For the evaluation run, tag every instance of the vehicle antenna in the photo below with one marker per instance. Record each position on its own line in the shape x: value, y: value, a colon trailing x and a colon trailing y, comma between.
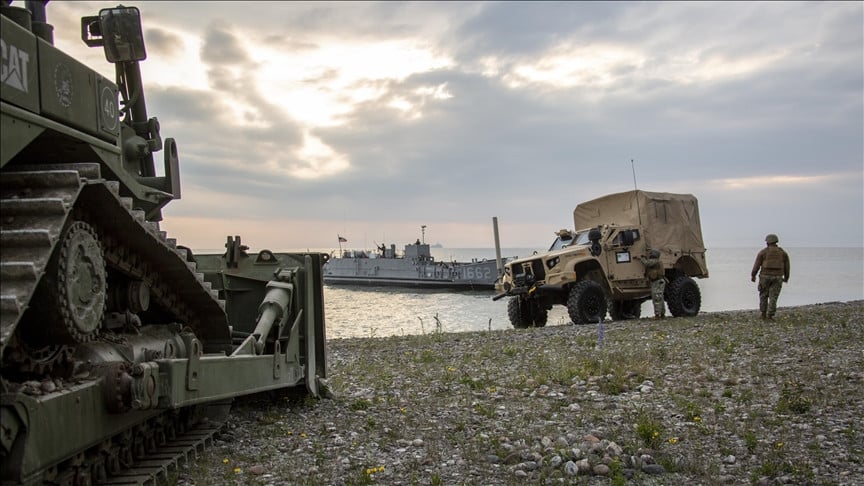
x: 636, y: 188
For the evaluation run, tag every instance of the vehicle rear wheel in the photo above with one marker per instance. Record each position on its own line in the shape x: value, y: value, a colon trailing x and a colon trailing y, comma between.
x: 586, y: 303
x: 620, y: 310
x: 683, y: 297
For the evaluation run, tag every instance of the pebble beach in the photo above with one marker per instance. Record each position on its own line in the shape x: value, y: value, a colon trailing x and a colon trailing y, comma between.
x: 719, y: 398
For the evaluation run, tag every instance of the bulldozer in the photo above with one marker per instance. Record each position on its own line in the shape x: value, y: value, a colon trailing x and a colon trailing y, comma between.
x: 121, y: 349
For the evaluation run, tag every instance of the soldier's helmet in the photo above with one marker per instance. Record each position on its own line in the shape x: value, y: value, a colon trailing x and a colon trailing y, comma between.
x: 654, y: 253
x: 772, y: 238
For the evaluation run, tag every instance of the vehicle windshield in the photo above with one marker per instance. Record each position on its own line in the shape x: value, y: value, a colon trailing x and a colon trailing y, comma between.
x: 561, y: 243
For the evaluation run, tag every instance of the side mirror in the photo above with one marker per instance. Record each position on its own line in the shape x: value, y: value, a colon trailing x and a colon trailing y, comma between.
x: 118, y: 30
x: 627, y: 238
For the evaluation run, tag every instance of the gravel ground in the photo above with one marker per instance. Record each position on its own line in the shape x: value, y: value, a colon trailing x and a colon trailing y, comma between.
x: 720, y: 398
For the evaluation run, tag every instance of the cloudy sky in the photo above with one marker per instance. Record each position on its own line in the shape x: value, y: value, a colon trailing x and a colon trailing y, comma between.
x: 300, y: 121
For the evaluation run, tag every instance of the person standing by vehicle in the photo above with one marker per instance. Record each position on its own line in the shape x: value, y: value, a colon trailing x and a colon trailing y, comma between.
x: 655, y: 274
x: 772, y: 265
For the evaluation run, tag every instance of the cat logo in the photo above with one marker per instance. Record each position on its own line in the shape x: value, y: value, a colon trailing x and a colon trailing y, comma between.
x: 13, y: 66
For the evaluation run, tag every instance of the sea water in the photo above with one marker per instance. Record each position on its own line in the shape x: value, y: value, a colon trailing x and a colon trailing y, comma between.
x: 818, y: 275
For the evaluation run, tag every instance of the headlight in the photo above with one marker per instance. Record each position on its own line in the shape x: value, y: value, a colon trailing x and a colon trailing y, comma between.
x: 552, y: 262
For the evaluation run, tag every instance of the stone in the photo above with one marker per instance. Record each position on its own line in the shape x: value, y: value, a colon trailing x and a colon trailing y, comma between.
x: 601, y: 470
x: 257, y: 469
x: 570, y: 468
x: 48, y: 386
x: 653, y: 469
x: 584, y: 466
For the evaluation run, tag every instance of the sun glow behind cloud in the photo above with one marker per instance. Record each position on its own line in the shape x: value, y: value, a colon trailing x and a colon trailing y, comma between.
x: 748, y: 183
x: 602, y: 66
x: 318, y: 87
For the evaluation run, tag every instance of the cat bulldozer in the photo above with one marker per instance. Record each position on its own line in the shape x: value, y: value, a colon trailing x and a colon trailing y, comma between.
x: 121, y: 350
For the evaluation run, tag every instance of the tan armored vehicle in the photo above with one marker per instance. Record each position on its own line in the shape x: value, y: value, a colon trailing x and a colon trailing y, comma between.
x: 596, y: 269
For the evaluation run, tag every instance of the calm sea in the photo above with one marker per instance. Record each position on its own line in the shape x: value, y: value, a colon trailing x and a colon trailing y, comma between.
x: 818, y: 275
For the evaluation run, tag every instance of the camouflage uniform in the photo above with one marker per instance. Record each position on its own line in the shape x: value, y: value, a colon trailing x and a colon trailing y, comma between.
x: 654, y: 273
x: 773, y: 262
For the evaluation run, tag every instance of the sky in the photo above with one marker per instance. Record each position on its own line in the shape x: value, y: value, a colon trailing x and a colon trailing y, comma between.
x: 297, y: 122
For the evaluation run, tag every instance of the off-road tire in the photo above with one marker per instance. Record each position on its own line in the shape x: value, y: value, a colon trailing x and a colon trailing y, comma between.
x: 525, y: 313
x: 517, y: 311
x: 620, y: 310
x: 586, y: 303
x: 539, y: 315
x: 683, y: 297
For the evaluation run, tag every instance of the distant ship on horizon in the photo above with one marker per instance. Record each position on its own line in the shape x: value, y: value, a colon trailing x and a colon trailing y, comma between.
x: 415, y: 267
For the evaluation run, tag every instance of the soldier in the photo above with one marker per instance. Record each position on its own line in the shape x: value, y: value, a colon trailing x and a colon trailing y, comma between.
x: 655, y: 274
x: 774, y: 264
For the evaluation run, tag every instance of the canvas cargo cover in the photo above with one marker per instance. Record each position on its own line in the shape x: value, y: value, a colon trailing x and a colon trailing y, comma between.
x: 668, y: 220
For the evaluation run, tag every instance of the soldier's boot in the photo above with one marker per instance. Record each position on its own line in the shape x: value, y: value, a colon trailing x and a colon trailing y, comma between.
x: 769, y: 318
x: 763, y: 316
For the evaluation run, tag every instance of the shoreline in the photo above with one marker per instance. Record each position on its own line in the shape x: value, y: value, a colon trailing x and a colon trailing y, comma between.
x: 718, y: 398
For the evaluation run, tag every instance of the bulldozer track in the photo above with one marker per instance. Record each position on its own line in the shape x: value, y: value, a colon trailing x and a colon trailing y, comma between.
x: 156, y: 468
x: 37, y: 202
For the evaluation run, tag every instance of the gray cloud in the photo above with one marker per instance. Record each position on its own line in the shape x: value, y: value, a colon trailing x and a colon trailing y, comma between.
x: 162, y: 43
x: 785, y: 98
x: 221, y: 47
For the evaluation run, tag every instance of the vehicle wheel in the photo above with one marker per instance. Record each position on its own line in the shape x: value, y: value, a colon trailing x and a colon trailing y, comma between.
x: 620, y: 310
x: 539, y: 315
x: 683, y: 297
x: 72, y: 296
x: 517, y: 311
x: 586, y: 303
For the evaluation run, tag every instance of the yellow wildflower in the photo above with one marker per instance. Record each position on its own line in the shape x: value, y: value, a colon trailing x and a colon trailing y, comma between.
x: 225, y: 461
x: 697, y: 419
x: 673, y: 440
x: 237, y: 470
x: 303, y: 434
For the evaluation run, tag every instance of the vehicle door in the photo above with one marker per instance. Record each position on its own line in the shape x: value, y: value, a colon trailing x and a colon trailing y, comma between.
x: 625, y: 247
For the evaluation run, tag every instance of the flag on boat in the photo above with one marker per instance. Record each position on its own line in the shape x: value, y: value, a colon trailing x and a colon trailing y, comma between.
x: 342, y: 240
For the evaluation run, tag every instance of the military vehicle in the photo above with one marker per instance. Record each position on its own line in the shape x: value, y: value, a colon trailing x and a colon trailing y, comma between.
x: 596, y: 268
x: 121, y: 350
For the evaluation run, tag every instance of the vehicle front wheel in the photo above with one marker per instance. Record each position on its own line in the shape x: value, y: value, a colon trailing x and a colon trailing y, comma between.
x: 524, y: 313
x: 586, y: 303
x: 517, y: 311
x: 683, y: 297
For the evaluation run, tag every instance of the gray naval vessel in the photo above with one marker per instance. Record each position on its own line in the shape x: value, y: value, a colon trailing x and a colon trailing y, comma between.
x: 415, y: 267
